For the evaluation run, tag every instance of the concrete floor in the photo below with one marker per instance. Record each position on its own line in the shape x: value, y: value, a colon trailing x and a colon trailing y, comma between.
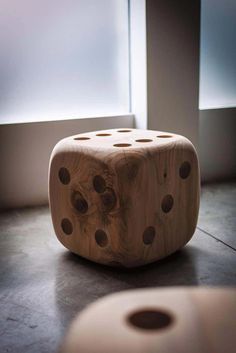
x: 43, y: 286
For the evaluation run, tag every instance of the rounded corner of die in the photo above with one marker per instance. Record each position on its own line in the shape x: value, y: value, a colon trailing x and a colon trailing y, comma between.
x: 58, y: 147
x: 188, y: 144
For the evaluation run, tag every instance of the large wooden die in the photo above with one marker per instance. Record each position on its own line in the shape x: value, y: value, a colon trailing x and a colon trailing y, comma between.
x: 124, y: 197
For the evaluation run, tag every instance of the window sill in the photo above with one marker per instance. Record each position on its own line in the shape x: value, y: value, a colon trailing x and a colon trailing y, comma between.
x: 26, y: 149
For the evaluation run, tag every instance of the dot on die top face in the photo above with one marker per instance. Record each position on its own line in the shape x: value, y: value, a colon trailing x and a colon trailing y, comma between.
x: 124, y: 197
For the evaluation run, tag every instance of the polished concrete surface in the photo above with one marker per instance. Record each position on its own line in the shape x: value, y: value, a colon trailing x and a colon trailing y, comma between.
x: 43, y: 286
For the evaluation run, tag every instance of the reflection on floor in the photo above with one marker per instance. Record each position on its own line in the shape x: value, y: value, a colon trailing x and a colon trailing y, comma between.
x: 43, y: 286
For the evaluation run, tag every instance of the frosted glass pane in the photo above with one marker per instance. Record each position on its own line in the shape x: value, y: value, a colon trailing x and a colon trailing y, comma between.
x: 63, y: 59
x: 218, y: 54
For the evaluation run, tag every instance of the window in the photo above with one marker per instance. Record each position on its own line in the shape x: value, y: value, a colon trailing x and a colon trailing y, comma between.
x: 218, y: 54
x: 63, y: 59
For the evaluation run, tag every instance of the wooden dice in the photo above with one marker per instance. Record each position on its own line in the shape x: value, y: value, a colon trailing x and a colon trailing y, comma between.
x: 179, y: 320
x: 124, y: 197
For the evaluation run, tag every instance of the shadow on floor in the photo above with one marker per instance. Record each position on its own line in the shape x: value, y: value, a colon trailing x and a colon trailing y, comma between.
x: 79, y: 281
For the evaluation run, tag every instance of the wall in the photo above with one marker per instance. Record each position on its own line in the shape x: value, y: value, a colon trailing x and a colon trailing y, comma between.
x: 217, y: 144
x: 25, y: 151
x: 173, y: 29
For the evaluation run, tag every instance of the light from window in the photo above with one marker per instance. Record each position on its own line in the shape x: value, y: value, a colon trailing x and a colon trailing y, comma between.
x: 218, y: 54
x: 63, y: 59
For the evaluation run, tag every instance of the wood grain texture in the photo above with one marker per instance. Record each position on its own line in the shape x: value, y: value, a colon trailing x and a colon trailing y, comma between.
x: 180, y: 320
x: 124, y: 197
